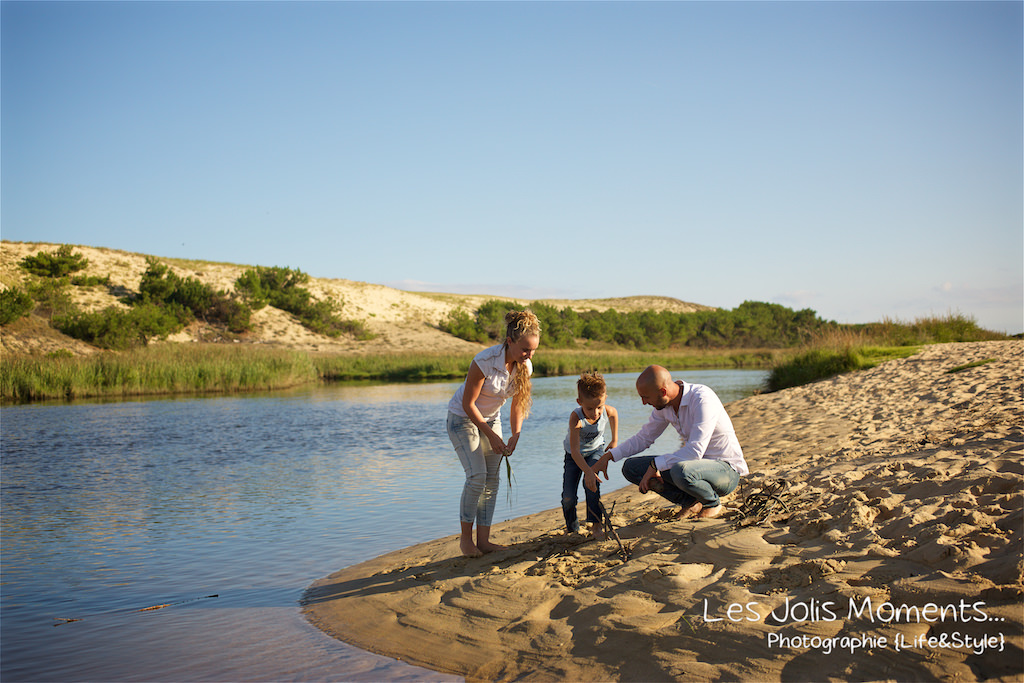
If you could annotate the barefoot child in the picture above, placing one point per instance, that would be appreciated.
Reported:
(584, 446)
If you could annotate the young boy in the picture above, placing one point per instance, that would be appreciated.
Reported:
(584, 446)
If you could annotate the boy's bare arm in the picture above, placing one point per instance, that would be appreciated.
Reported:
(613, 422)
(574, 443)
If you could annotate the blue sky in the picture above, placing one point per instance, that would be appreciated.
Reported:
(863, 159)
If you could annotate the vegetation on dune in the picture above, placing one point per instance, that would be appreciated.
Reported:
(280, 288)
(14, 304)
(56, 264)
(165, 302)
(798, 346)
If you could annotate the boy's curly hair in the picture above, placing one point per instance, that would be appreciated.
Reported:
(519, 324)
(591, 385)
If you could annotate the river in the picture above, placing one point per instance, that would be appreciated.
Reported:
(172, 539)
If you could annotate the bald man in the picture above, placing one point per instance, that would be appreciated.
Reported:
(709, 464)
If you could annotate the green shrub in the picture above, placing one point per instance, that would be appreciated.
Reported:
(276, 286)
(161, 286)
(158, 282)
(60, 263)
(280, 287)
(249, 286)
(235, 315)
(490, 318)
(460, 324)
(559, 328)
(90, 281)
(14, 304)
(485, 325)
(119, 329)
(52, 295)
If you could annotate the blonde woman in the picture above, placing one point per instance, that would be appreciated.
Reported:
(474, 423)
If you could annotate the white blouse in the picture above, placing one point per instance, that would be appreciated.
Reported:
(497, 383)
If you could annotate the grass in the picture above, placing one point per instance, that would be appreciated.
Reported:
(821, 363)
(219, 368)
(861, 347)
(972, 364)
(164, 369)
(168, 369)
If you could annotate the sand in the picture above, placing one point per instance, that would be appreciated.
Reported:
(898, 555)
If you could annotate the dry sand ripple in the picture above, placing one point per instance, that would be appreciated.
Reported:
(904, 524)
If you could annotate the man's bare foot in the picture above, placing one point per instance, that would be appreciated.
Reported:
(691, 511)
(488, 547)
(711, 513)
(469, 548)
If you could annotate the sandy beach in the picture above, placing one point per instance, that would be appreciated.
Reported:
(897, 554)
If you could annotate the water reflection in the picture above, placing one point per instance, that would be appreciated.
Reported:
(109, 508)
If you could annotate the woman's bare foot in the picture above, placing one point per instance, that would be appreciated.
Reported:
(483, 540)
(691, 511)
(711, 513)
(488, 547)
(469, 548)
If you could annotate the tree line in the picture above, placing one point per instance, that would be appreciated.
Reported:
(752, 324)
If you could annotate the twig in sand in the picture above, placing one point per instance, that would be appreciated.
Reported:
(625, 549)
(758, 505)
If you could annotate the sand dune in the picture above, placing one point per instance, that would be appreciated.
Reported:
(898, 555)
(399, 320)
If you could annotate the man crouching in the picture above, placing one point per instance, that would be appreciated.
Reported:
(709, 464)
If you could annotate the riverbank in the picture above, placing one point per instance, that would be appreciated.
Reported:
(899, 555)
(196, 369)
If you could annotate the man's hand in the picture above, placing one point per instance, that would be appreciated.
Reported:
(649, 474)
(601, 466)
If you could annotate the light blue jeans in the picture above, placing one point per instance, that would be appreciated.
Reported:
(688, 481)
(482, 466)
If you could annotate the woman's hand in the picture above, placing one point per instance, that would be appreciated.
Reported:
(511, 446)
(497, 445)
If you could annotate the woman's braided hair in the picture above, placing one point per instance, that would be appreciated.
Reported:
(521, 324)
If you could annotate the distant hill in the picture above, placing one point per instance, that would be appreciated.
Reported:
(401, 320)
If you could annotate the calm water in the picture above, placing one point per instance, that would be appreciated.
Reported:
(111, 508)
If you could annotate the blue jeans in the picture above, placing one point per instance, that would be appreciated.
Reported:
(570, 483)
(481, 463)
(688, 481)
